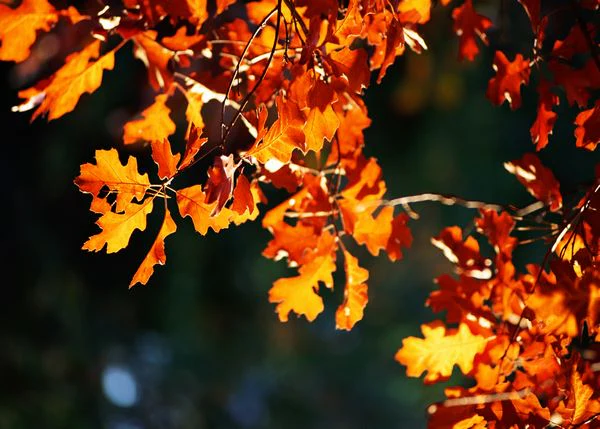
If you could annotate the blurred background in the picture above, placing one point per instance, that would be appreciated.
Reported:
(200, 346)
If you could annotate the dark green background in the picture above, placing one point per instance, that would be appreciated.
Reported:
(202, 342)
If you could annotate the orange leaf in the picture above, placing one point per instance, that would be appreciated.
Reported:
(539, 180)
(18, 27)
(320, 125)
(355, 294)
(374, 232)
(299, 294)
(439, 351)
(78, 76)
(192, 147)
(118, 227)
(155, 125)
(156, 255)
(292, 242)
(581, 395)
(164, 158)
(155, 57)
(282, 138)
(122, 180)
(192, 202)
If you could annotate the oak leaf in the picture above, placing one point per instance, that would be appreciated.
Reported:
(581, 397)
(219, 186)
(355, 294)
(299, 294)
(118, 227)
(587, 132)
(155, 124)
(469, 25)
(510, 75)
(19, 27)
(439, 351)
(282, 138)
(321, 120)
(80, 75)
(539, 180)
(122, 180)
(546, 117)
(164, 158)
(156, 59)
(156, 255)
(192, 202)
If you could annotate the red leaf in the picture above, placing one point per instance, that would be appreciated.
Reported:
(539, 180)
(588, 128)
(510, 75)
(469, 26)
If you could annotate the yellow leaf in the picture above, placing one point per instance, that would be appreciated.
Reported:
(438, 352)
(474, 422)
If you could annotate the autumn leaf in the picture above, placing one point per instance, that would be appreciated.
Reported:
(164, 158)
(122, 180)
(383, 232)
(118, 227)
(469, 26)
(510, 75)
(156, 58)
(129, 211)
(581, 396)
(192, 202)
(321, 121)
(539, 180)
(439, 351)
(194, 143)
(282, 138)
(219, 186)
(156, 255)
(546, 117)
(19, 27)
(464, 253)
(355, 294)
(474, 422)
(299, 294)
(293, 242)
(587, 132)
(155, 125)
(80, 75)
